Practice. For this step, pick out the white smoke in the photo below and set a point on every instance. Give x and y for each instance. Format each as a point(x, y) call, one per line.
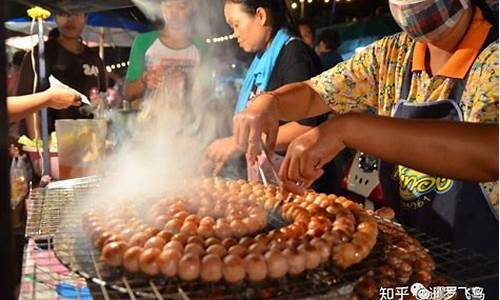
point(167, 143)
point(203, 12)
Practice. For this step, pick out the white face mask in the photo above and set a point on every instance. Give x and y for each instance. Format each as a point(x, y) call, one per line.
point(427, 20)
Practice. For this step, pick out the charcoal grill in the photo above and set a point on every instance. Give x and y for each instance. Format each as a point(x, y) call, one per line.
point(45, 223)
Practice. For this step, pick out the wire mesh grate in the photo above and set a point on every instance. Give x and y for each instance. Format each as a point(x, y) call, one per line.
point(460, 266)
point(46, 207)
point(327, 282)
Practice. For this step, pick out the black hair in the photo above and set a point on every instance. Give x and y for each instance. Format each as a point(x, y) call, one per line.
point(281, 15)
point(305, 22)
point(488, 13)
point(331, 39)
point(54, 34)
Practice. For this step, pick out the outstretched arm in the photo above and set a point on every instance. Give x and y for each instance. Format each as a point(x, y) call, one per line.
point(20, 106)
point(466, 151)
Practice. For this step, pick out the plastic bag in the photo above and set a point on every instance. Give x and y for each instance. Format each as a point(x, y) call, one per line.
point(19, 180)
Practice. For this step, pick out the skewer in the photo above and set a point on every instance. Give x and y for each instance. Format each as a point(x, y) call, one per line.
point(183, 294)
point(100, 282)
point(155, 290)
point(129, 289)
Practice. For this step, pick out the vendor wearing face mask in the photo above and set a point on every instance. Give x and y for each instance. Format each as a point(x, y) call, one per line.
point(443, 68)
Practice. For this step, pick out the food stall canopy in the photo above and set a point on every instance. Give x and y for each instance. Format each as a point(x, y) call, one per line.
point(80, 5)
point(106, 28)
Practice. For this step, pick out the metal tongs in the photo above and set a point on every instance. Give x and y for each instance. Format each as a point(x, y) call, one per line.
point(275, 180)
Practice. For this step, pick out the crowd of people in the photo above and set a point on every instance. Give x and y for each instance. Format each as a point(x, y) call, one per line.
point(424, 101)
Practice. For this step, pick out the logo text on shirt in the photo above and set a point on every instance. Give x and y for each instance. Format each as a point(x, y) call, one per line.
point(417, 189)
point(90, 70)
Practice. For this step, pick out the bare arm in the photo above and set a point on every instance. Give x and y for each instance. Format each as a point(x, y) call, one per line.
point(464, 151)
point(291, 102)
point(222, 150)
point(21, 106)
point(134, 89)
point(288, 133)
point(298, 101)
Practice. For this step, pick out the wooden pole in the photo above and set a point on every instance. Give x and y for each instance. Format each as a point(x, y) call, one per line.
point(101, 43)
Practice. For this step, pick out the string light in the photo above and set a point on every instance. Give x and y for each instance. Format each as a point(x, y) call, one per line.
point(295, 5)
point(220, 39)
point(117, 66)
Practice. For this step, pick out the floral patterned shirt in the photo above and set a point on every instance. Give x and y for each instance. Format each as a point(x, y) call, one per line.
point(372, 79)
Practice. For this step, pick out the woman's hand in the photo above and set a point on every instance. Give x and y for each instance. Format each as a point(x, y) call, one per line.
point(218, 153)
point(307, 155)
point(61, 98)
point(260, 118)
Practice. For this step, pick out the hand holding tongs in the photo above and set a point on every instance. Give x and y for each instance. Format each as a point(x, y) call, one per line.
point(275, 180)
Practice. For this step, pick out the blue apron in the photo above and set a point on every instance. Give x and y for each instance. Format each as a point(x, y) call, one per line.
point(452, 210)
